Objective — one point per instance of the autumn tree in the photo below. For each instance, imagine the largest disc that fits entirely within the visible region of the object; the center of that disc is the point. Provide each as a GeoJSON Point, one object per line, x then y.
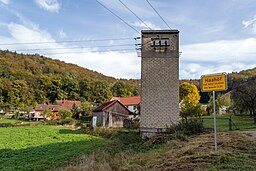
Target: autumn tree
{"type": "Point", "coordinates": [189, 100]}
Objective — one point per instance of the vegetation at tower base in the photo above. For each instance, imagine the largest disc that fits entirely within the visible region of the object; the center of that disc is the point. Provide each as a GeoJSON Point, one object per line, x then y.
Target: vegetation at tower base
{"type": "Point", "coordinates": [27, 80]}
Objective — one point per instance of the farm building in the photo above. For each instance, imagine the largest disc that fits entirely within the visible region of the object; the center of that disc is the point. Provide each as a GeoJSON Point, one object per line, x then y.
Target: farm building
{"type": "Point", "coordinates": [132, 103]}
{"type": "Point", "coordinates": [110, 114]}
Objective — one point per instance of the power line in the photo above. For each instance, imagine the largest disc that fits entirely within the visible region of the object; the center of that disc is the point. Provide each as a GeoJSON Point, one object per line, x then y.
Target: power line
{"type": "Point", "coordinates": [65, 41]}
{"type": "Point", "coordinates": [78, 47]}
{"type": "Point", "coordinates": [113, 50]}
{"type": "Point", "coordinates": [118, 17]}
{"type": "Point", "coordinates": [134, 14]}
{"type": "Point", "coordinates": [159, 14]}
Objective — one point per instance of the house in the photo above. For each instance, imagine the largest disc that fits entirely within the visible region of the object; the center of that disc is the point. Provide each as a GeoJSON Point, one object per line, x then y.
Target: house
{"type": "Point", "coordinates": [68, 104]}
{"type": "Point", "coordinates": [41, 108]}
{"type": "Point", "coordinates": [54, 108]}
{"type": "Point", "coordinates": [110, 114]}
{"type": "Point", "coordinates": [132, 103]}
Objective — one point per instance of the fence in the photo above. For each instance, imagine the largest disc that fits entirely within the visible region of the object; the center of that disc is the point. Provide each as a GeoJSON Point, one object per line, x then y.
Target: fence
{"type": "Point", "coordinates": [225, 123]}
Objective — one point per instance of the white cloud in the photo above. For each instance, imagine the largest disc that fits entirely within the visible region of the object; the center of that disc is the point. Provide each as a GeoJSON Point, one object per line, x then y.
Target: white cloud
{"type": "Point", "coordinates": [6, 2]}
{"type": "Point", "coordinates": [252, 23]}
{"type": "Point", "coordinates": [62, 34]}
{"type": "Point", "coordinates": [217, 56]}
{"type": "Point", "coordinates": [49, 5]}
{"type": "Point", "coordinates": [149, 24]}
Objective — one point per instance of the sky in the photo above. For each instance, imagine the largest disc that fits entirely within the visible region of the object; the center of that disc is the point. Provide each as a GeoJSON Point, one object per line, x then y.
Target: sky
{"type": "Point", "coordinates": [215, 35]}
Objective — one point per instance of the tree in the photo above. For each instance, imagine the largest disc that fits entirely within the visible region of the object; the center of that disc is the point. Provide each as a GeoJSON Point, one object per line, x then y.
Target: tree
{"type": "Point", "coordinates": [86, 109]}
{"type": "Point", "coordinates": [64, 114]}
{"type": "Point", "coordinates": [121, 89]}
{"type": "Point", "coordinates": [189, 101]}
{"type": "Point", "coordinates": [244, 97]}
{"type": "Point", "coordinates": [101, 92]}
{"type": "Point", "coordinates": [75, 111]}
{"type": "Point", "coordinates": [190, 92]}
{"type": "Point", "coordinates": [85, 90]}
{"type": "Point", "coordinates": [219, 102]}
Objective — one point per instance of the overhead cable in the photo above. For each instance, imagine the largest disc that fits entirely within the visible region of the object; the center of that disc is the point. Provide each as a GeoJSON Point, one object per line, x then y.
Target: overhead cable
{"type": "Point", "coordinates": [134, 14]}
{"type": "Point", "coordinates": [93, 51]}
{"type": "Point", "coordinates": [118, 16]}
{"type": "Point", "coordinates": [65, 41]}
{"type": "Point", "coordinates": [159, 14]}
{"type": "Point", "coordinates": [77, 47]}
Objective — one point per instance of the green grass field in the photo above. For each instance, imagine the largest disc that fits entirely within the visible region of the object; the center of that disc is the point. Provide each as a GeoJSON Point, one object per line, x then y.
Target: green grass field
{"type": "Point", "coordinates": [241, 122]}
{"type": "Point", "coordinates": [42, 147]}
{"type": "Point", "coordinates": [7, 119]}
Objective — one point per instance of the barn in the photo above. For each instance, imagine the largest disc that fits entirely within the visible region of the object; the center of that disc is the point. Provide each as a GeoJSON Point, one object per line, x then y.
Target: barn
{"type": "Point", "coordinates": [110, 114]}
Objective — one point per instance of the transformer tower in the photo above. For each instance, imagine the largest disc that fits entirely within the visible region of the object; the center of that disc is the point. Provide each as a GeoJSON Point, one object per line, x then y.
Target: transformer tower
{"type": "Point", "coordinates": [159, 81]}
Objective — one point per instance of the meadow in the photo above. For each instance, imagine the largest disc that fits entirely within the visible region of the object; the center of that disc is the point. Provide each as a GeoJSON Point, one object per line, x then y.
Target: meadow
{"type": "Point", "coordinates": [241, 123]}
{"type": "Point", "coordinates": [42, 147]}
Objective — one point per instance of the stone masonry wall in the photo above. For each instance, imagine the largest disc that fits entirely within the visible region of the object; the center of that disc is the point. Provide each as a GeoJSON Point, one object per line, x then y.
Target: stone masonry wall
{"type": "Point", "coordinates": [159, 85]}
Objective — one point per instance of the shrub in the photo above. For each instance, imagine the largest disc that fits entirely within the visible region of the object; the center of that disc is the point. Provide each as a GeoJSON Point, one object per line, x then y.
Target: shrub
{"type": "Point", "coordinates": [191, 127]}
{"type": "Point", "coordinates": [65, 114]}
{"type": "Point", "coordinates": [131, 123]}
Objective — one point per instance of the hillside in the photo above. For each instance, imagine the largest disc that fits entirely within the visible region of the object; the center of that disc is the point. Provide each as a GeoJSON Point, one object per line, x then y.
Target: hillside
{"type": "Point", "coordinates": [27, 80]}
{"type": "Point", "coordinates": [30, 79]}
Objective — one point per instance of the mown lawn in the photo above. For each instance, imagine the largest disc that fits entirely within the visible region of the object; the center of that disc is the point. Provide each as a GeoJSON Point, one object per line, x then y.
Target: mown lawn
{"type": "Point", "coordinates": [42, 147]}
{"type": "Point", "coordinates": [240, 122]}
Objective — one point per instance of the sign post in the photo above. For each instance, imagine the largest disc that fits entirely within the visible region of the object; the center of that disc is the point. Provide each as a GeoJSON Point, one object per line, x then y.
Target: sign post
{"type": "Point", "coordinates": [214, 82]}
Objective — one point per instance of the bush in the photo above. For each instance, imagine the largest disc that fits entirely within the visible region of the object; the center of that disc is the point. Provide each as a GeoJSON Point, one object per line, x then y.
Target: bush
{"type": "Point", "coordinates": [65, 114]}
{"type": "Point", "coordinates": [191, 127]}
{"type": "Point", "coordinates": [131, 123]}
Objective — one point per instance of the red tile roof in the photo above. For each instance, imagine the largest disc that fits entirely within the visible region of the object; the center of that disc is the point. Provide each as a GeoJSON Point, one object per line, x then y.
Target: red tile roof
{"type": "Point", "coordinates": [61, 104]}
{"type": "Point", "coordinates": [107, 105]}
{"type": "Point", "coordinates": [68, 104]}
{"type": "Point", "coordinates": [41, 107]}
{"type": "Point", "coordinates": [134, 100]}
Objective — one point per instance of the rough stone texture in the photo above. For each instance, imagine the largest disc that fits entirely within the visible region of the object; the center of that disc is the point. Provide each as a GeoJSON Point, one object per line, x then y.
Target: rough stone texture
{"type": "Point", "coordinates": [159, 83]}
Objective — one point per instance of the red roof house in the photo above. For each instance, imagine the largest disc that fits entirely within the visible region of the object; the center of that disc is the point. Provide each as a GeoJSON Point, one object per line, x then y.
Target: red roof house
{"type": "Point", "coordinates": [61, 104]}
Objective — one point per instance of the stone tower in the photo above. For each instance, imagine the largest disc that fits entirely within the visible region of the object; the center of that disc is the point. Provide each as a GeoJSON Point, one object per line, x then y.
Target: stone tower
{"type": "Point", "coordinates": [159, 81]}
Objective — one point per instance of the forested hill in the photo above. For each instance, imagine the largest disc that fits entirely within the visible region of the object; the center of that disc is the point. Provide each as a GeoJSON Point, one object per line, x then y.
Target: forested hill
{"type": "Point", "coordinates": [31, 79]}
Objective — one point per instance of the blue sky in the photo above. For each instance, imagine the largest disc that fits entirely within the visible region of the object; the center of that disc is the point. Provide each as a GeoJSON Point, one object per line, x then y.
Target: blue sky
{"type": "Point", "coordinates": [215, 35]}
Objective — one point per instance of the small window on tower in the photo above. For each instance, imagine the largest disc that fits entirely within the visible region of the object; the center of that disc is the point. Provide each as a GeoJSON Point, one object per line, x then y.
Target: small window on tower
{"type": "Point", "coordinates": [160, 42]}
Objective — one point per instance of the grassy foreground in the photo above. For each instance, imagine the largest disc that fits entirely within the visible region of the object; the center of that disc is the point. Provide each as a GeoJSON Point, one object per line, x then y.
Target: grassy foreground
{"type": "Point", "coordinates": [42, 147]}
{"type": "Point", "coordinates": [236, 151]}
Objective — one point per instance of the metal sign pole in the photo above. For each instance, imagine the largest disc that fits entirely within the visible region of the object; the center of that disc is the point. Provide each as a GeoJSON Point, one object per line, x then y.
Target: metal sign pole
{"type": "Point", "coordinates": [214, 112]}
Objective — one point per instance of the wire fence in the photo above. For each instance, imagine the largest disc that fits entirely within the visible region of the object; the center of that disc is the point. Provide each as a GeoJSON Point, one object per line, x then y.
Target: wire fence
{"type": "Point", "coordinates": [228, 123]}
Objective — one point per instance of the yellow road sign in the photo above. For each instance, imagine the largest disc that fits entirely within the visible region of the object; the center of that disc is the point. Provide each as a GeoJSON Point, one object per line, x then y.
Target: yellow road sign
{"type": "Point", "coordinates": [214, 82]}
